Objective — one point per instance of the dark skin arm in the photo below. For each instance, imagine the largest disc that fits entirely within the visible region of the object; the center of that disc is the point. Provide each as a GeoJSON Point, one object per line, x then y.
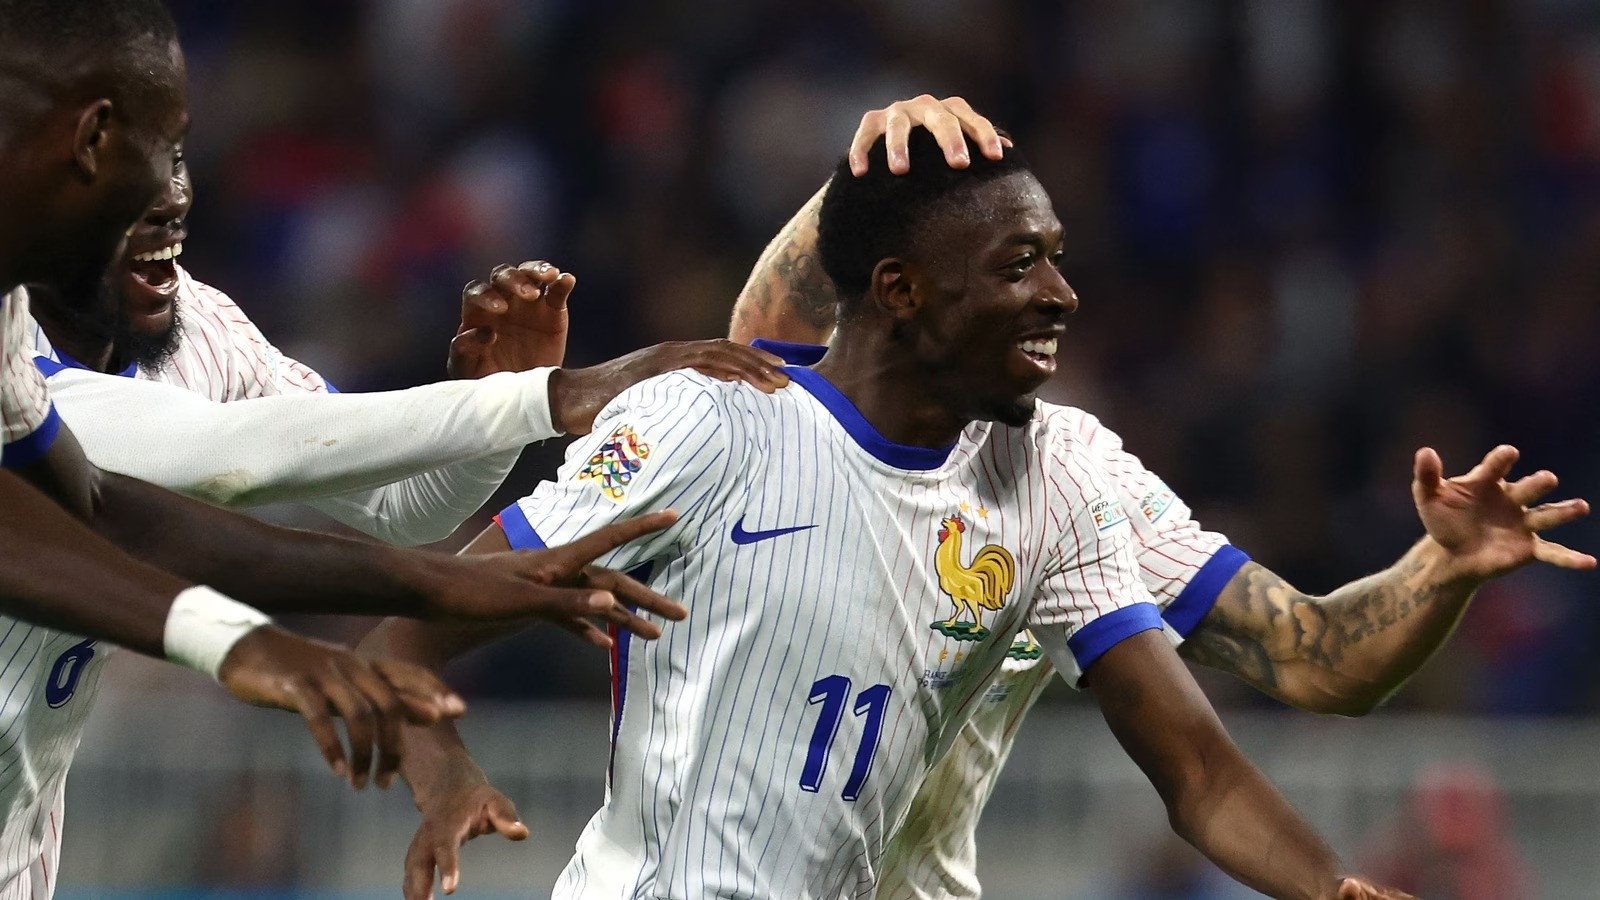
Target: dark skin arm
{"type": "Point", "coordinates": [59, 573]}
{"type": "Point", "coordinates": [1215, 799]}
{"type": "Point", "coordinates": [282, 570]}
{"type": "Point", "coordinates": [455, 798]}
{"type": "Point", "coordinates": [1347, 651]}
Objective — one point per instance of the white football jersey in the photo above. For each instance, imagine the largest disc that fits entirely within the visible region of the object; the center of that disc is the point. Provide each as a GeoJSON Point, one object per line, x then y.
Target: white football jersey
{"type": "Point", "coordinates": [49, 679]}
{"type": "Point", "coordinates": [934, 856]}
{"type": "Point", "coordinates": [36, 673]}
{"type": "Point", "coordinates": [27, 422]}
{"type": "Point", "coordinates": [851, 601]}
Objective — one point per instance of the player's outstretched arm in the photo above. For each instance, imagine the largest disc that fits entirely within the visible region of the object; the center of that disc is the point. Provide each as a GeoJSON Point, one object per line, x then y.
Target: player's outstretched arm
{"type": "Point", "coordinates": [454, 797]}
{"type": "Point", "coordinates": [787, 296]}
{"type": "Point", "coordinates": [1346, 652]}
{"type": "Point", "coordinates": [1215, 798]}
{"type": "Point", "coordinates": [285, 570]}
{"type": "Point", "coordinates": [54, 571]}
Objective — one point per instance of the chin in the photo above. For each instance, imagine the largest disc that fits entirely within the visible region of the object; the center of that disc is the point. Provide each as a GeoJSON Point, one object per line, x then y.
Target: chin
{"type": "Point", "coordinates": [1014, 413]}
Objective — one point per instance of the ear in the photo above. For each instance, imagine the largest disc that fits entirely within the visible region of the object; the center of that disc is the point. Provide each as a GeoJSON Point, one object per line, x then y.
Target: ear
{"type": "Point", "coordinates": [92, 137]}
{"type": "Point", "coordinates": [891, 289]}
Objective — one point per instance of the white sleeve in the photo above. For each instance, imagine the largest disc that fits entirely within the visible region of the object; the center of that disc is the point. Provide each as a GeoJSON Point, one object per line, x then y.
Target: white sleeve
{"type": "Point", "coordinates": [1184, 566]}
{"type": "Point", "coordinates": [665, 443]}
{"type": "Point", "coordinates": [1091, 598]}
{"type": "Point", "coordinates": [28, 422]}
{"type": "Point", "coordinates": [423, 508]}
{"type": "Point", "coordinates": [295, 448]}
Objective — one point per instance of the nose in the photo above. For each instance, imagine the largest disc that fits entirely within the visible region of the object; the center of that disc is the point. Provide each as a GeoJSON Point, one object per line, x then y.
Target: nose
{"type": "Point", "coordinates": [1059, 296]}
{"type": "Point", "coordinates": [173, 202]}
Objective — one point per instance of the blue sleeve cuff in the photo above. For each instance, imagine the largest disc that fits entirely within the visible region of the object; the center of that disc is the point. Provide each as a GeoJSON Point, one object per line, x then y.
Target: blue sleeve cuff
{"type": "Point", "coordinates": [519, 531]}
{"type": "Point", "coordinates": [1200, 594]}
{"type": "Point", "coordinates": [1093, 640]}
{"type": "Point", "coordinates": [30, 449]}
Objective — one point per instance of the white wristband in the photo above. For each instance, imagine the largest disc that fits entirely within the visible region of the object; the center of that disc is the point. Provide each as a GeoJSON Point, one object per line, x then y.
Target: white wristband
{"type": "Point", "coordinates": [203, 625]}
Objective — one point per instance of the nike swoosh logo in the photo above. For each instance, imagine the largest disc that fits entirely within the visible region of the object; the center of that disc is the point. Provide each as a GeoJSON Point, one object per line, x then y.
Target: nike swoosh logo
{"type": "Point", "coordinates": [741, 537]}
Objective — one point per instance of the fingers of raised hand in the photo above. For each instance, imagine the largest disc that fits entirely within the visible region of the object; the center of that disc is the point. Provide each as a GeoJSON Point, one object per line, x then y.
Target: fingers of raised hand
{"type": "Point", "coordinates": [360, 726]}
{"type": "Point", "coordinates": [569, 559]}
{"type": "Point", "coordinates": [524, 282]}
{"type": "Point", "coordinates": [632, 593]}
{"type": "Point", "coordinates": [1530, 488]}
{"type": "Point", "coordinates": [1427, 471]}
{"type": "Point", "coordinates": [313, 707]}
{"type": "Point", "coordinates": [560, 290]}
{"type": "Point", "coordinates": [420, 866]}
{"type": "Point", "coordinates": [1496, 464]}
{"type": "Point", "coordinates": [729, 361]}
{"type": "Point", "coordinates": [1550, 515]}
{"type": "Point", "coordinates": [983, 133]}
{"type": "Point", "coordinates": [423, 697]}
{"type": "Point", "coordinates": [502, 817]}
{"type": "Point", "coordinates": [387, 712]}
{"type": "Point", "coordinates": [896, 134]}
{"type": "Point", "coordinates": [1561, 556]}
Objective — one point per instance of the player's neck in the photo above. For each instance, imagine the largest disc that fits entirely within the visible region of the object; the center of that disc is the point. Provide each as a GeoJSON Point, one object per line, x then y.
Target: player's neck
{"type": "Point", "coordinates": [894, 397]}
{"type": "Point", "coordinates": [92, 351]}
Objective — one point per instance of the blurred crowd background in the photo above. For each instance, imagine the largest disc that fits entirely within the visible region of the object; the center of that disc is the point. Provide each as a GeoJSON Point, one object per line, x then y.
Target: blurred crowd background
{"type": "Point", "coordinates": [1310, 235]}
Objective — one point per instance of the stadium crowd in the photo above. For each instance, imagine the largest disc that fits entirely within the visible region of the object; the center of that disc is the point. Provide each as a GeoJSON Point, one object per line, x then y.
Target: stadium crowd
{"type": "Point", "coordinates": [1309, 236]}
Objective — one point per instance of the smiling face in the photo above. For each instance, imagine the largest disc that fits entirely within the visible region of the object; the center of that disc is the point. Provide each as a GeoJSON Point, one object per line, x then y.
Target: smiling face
{"type": "Point", "coordinates": [144, 281]}
{"type": "Point", "coordinates": [990, 302]}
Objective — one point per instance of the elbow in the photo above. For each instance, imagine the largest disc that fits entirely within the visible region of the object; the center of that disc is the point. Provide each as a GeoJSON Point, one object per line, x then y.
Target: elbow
{"type": "Point", "coordinates": [1349, 700]}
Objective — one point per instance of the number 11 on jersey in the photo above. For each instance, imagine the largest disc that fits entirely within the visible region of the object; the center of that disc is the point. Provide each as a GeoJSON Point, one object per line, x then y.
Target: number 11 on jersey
{"type": "Point", "coordinates": [833, 692]}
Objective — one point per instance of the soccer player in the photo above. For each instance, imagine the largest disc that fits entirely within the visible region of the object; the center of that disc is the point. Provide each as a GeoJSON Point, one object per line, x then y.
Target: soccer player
{"type": "Point", "coordinates": [91, 109]}
{"type": "Point", "coordinates": [862, 550]}
{"type": "Point", "coordinates": [423, 459]}
{"type": "Point", "coordinates": [1341, 653]}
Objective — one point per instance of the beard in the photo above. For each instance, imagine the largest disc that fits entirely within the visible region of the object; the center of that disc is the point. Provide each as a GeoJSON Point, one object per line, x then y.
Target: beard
{"type": "Point", "coordinates": [103, 318]}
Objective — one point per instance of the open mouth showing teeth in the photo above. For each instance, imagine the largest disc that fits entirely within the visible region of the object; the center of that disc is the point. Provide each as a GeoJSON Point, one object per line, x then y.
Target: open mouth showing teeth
{"type": "Point", "coordinates": [157, 268]}
{"type": "Point", "coordinates": [1039, 349]}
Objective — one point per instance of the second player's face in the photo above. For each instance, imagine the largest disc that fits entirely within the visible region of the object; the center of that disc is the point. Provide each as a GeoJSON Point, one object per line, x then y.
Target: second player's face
{"type": "Point", "coordinates": [997, 304]}
{"type": "Point", "coordinates": [145, 280]}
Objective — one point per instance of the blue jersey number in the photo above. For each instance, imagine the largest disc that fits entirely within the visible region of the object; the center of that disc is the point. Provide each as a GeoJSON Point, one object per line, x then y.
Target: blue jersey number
{"type": "Point", "coordinates": [64, 675]}
{"type": "Point", "coordinates": [833, 693]}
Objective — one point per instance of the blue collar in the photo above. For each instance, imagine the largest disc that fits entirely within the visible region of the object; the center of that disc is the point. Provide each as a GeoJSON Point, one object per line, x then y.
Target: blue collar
{"type": "Point", "coordinates": [901, 456]}
{"type": "Point", "coordinates": [69, 362]}
{"type": "Point", "coordinates": [792, 353]}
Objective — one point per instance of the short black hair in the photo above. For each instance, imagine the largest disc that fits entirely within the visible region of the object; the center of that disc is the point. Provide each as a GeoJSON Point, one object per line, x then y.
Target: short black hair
{"type": "Point", "coordinates": [61, 38]}
{"type": "Point", "coordinates": [64, 25]}
{"type": "Point", "coordinates": [878, 215]}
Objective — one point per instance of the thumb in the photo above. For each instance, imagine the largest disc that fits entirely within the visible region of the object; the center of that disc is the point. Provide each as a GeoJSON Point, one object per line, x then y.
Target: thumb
{"type": "Point", "coordinates": [1427, 471]}
{"type": "Point", "coordinates": [503, 816]}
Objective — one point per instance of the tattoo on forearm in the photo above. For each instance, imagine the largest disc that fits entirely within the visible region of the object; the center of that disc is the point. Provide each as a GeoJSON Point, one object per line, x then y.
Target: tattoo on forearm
{"type": "Point", "coordinates": [1261, 622]}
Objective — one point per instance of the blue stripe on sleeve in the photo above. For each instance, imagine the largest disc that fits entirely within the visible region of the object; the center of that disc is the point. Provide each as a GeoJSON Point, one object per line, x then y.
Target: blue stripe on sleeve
{"type": "Point", "coordinates": [1093, 640]}
{"type": "Point", "coordinates": [48, 366]}
{"type": "Point", "coordinates": [1194, 602]}
{"type": "Point", "coordinates": [519, 531]}
{"type": "Point", "coordinates": [31, 448]}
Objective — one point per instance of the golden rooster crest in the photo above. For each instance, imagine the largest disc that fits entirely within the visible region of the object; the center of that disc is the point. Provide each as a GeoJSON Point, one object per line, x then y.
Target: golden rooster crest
{"type": "Point", "coordinates": [973, 588]}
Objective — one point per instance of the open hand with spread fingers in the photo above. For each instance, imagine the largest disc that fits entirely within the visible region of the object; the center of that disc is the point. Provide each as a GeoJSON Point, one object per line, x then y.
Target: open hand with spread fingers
{"type": "Point", "coordinates": [556, 584]}
{"type": "Point", "coordinates": [515, 321]}
{"type": "Point", "coordinates": [273, 667]}
{"type": "Point", "coordinates": [448, 822]}
{"type": "Point", "coordinates": [948, 119]}
{"type": "Point", "coordinates": [1489, 525]}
